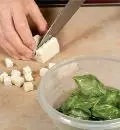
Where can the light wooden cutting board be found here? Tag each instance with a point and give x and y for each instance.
(91, 31)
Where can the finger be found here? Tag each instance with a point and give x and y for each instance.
(22, 27)
(6, 46)
(24, 58)
(13, 38)
(12, 52)
(6, 51)
(9, 52)
(37, 18)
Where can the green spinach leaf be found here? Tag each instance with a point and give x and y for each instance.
(89, 85)
(79, 114)
(105, 111)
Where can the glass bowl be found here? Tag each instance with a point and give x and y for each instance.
(56, 85)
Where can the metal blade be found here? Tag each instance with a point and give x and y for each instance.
(62, 19)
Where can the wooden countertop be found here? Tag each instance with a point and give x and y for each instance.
(92, 31)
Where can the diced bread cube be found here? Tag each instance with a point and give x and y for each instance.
(28, 86)
(27, 69)
(37, 39)
(15, 73)
(17, 81)
(47, 50)
(7, 81)
(2, 76)
(8, 62)
(28, 77)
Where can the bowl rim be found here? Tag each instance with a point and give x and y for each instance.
(54, 114)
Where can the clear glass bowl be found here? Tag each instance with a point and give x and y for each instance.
(56, 85)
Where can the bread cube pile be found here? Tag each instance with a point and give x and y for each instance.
(22, 78)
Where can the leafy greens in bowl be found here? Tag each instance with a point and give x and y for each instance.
(92, 100)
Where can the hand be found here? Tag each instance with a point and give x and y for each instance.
(15, 36)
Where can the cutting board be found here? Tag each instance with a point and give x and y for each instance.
(90, 32)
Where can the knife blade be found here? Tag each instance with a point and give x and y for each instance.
(61, 20)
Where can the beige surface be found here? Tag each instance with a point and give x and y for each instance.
(92, 31)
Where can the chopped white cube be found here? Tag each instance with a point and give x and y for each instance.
(17, 81)
(8, 62)
(37, 39)
(51, 65)
(43, 71)
(2, 76)
(27, 69)
(27, 72)
(15, 73)
(28, 77)
(47, 50)
(7, 81)
(28, 86)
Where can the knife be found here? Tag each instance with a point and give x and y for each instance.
(61, 20)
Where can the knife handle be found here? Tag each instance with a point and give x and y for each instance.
(51, 3)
